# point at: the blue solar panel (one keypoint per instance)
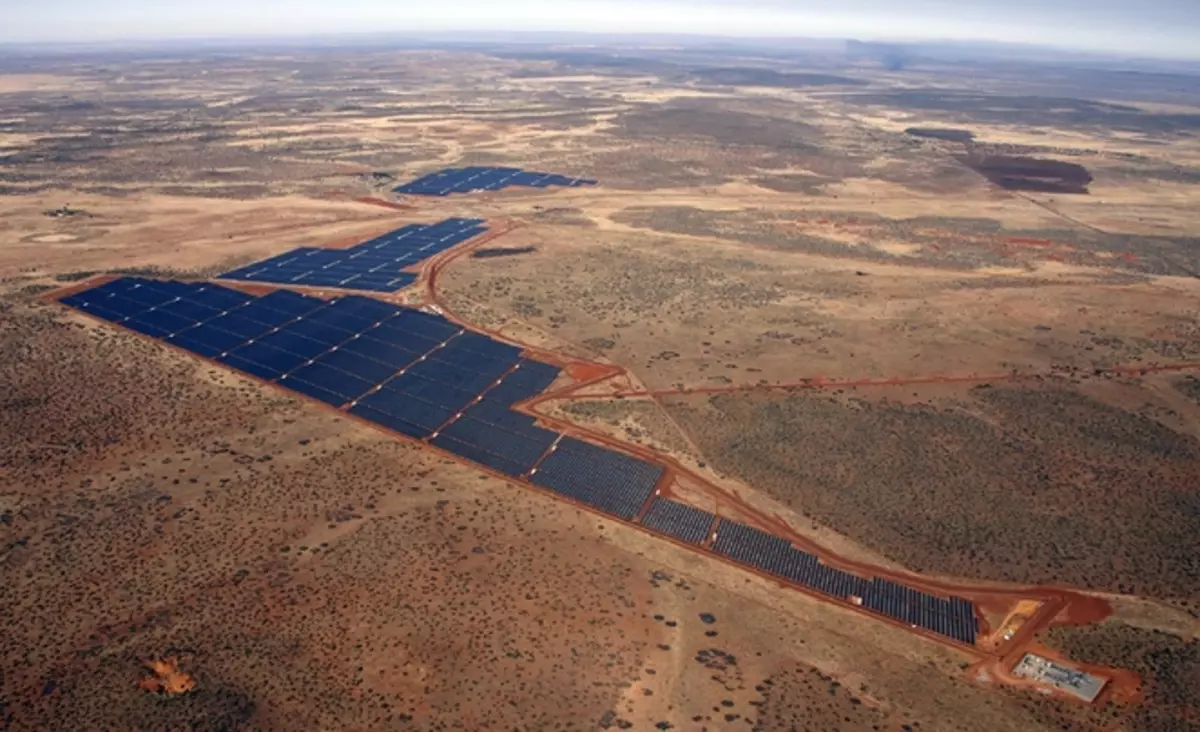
(332, 380)
(612, 482)
(424, 324)
(434, 392)
(529, 379)
(286, 301)
(481, 178)
(163, 321)
(389, 421)
(200, 346)
(392, 332)
(375, 265)
(314, 391)
(122, 305)
(207, 337)
(220, 298)
(471, 361)
(102, 312)
(451, 375)
(435, 395)
(270, 357)
(187, 309)
(485, 346)
(678, 520)
(149, 329)
(172, 288)
(111, 288)
(260, 313)
(476, 454)
(364, 307)
(146, 296)
(294, 343)
(517, 449)
(358, 365)
(390, 354)
(321, 333)
(239, 326)
(251, 367)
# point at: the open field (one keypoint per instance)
(1021, 483)
(767, 230)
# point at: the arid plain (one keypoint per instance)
(941, 320)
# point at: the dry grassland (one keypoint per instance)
(751, 229)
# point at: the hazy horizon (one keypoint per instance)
(1154, 28)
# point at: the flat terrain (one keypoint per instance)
(941, 318)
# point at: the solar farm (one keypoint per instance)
(376, 265)
(480, 178)
(422, 376)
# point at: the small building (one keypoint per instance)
(1079, 684)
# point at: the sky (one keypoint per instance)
(1169, 28)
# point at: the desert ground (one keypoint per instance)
(941, 320)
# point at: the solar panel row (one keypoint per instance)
(953, 618)
(484, 178)
(612, 482)
(678, 520)
(376, 265)
(423, 376)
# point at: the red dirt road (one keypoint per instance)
(1059, 605)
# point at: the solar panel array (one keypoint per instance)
(376, 265)
(612, 482)
(953, 618)
(426, 377)
(678, 520)
(483, 178)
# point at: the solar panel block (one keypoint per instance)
(293, 343)
(368, 369)
(435, 395)
(251, 367)
(438, 393)
(389, 421)
(364, 307)
(312, 390)
(476, 454)
(208, 337)
(368, 346)
(234, 323)
(270, 357)
(220, 298)
(375, 265)
(193, 311)
(332, 380)
(749, 545)
(430, 326)
(472, 362)
(530, 378)
(514, 448)
(501, 417)
(262, 313)
(318, 332)
(601, 478)
(480, 178)
(678, 520)
(449, 375)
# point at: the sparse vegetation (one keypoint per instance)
(975, 487)
(294, 569)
